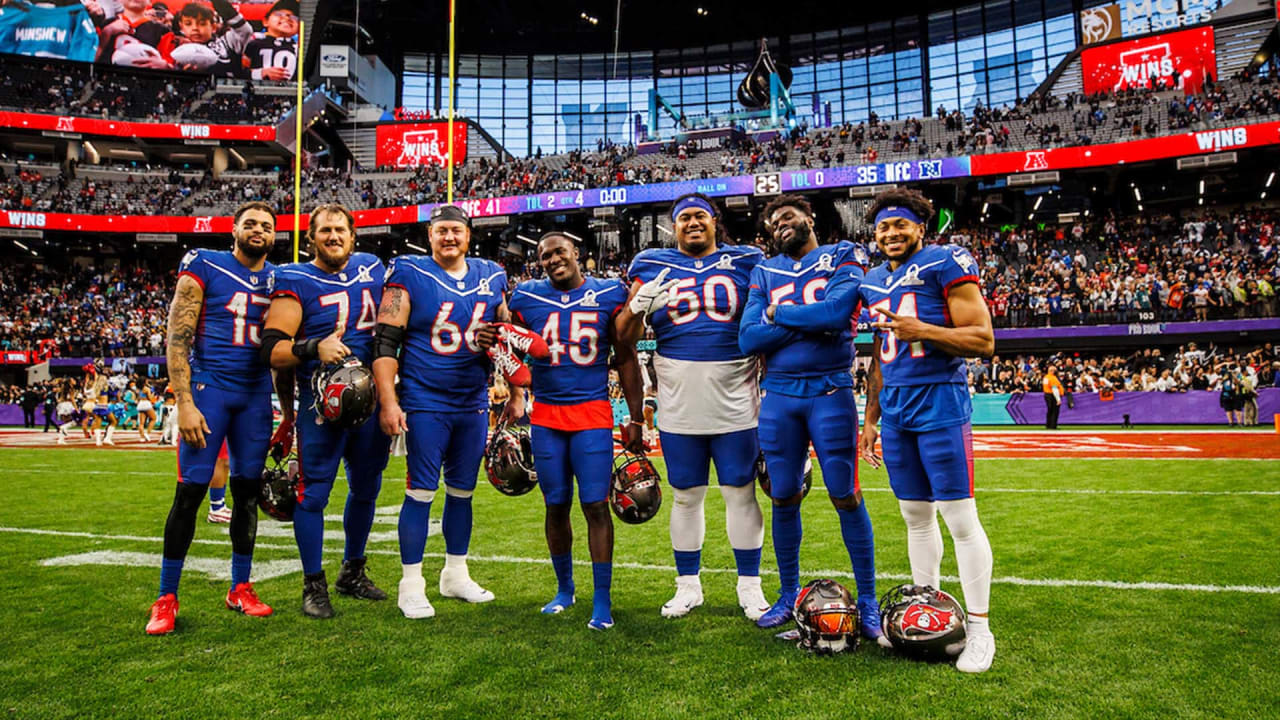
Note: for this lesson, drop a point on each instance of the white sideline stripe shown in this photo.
(214, 568)
(1028, 582)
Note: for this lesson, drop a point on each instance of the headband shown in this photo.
(897, 211)
(688, 202)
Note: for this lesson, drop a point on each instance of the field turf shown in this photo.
(1106, 605)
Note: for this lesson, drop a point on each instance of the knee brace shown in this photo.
(420, 495)
(458, 492)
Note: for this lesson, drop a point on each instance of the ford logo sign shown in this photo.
(333, 58)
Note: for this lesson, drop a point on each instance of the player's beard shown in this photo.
(250, 251)
(800, 235)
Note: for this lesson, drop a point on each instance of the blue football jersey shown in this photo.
(441, 367)
(575, 324)
(798, 362)
(225, 351)
(347, 299)
(65, 32)
(701, 322)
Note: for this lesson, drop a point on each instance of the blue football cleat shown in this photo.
(781, 612)
(560, 603)
(869, 622)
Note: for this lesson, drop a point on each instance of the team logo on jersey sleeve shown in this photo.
(484, 287)
(963, 259)
(189, 258)
(824, 263)
(364, 274)
(860, 256)
(724, 262)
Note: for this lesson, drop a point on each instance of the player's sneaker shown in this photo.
(979, 651)
(504, 359)
(164, 612)
(457, 583)
(244, 599)
(869, 622)
(751, 597)
(688, 596)
(600, 623)
(412, 599)
(315, 596)
(221, 515)
(559, 603)
(353, 581)
(524, 342)
(780, 613)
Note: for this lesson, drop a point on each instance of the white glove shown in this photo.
(653, 295)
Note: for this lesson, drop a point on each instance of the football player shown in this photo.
(223, 392)
(933, 317)
(808, 397)
(321, 312)
(439, 309)
(692, 295)
(572, 418)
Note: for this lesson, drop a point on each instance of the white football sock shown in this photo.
(973, 552)
(742, 517)
(688, 521)
(411, 572)
(455, 562)
(111, 430)
(924, 541)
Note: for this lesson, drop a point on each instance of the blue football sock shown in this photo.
(414, 516)
(601, 598)
(688, 562)
(787, 532)
(357, 521)
(855, 527)
(308, 531)
(563, 565)
(170, 574)
(456, 524)
(240, 566)
(217, 497)
(748, 561)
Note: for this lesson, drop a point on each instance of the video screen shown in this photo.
(249, 40)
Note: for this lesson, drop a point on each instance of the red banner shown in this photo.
(124, 128)
(1183, 59)
(205, 224)
(1170, 146)
(409, 144)
(16, 357)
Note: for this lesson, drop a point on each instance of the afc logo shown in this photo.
(204, 224)
(66, 124)
(1035, 160)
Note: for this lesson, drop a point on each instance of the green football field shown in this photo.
(1157, 594)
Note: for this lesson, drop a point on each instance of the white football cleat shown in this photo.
(412, 599)
(688, 596)
(751, 598)
(221, 515)
(458, 584)
(979, 651)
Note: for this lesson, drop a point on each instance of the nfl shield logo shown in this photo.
(564, 298)
(461, 285)
(697, 264)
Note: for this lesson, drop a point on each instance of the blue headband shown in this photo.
(691, 201)
(897, 211)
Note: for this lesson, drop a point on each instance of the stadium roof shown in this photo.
(519, 26)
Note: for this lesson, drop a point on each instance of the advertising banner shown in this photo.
(123, 128)
(410, 144)
(200, 225)
(334, 61)
(1183, 59)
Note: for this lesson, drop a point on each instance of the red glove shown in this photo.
(524, 342)
(509, 364)
(282, 441)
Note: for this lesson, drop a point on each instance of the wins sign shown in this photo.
(1182, 60)
(409, 144)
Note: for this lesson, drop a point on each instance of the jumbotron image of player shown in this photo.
(223, 391)
(692, 296)
(808, 397)
(572, 419)
(322, 312)
(439, 309)
(934, 316)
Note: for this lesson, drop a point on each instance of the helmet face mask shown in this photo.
(345, 395)
(923, 623)
(635, 493)
(279, 494)
(762, 476)
(508, 460)
(826, 617)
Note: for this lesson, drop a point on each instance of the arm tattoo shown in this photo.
(184, 314)
(389, 310)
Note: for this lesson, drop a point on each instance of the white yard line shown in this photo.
(148, 560)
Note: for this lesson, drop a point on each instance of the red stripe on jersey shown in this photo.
(967, 433)
(222, 454)
(590, 415)
(962, 279)
(193, 276)
(286, 293)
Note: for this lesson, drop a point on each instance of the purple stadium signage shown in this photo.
(1194, 407)
(1147, 328)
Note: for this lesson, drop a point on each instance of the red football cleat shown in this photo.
(243, 598)
(164, 612)
(525, 342)
(506, 361)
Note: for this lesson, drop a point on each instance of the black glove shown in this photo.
(225, 10)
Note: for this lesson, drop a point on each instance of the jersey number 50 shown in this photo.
(682, 293)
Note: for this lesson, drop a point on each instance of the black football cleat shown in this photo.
(315, 596)
(353, 581)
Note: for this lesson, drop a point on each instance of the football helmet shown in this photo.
(508, 460)
(635, 493)
(826, 617)
(922, 622)
(279, 494)
(344, 393)
(762, 476)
